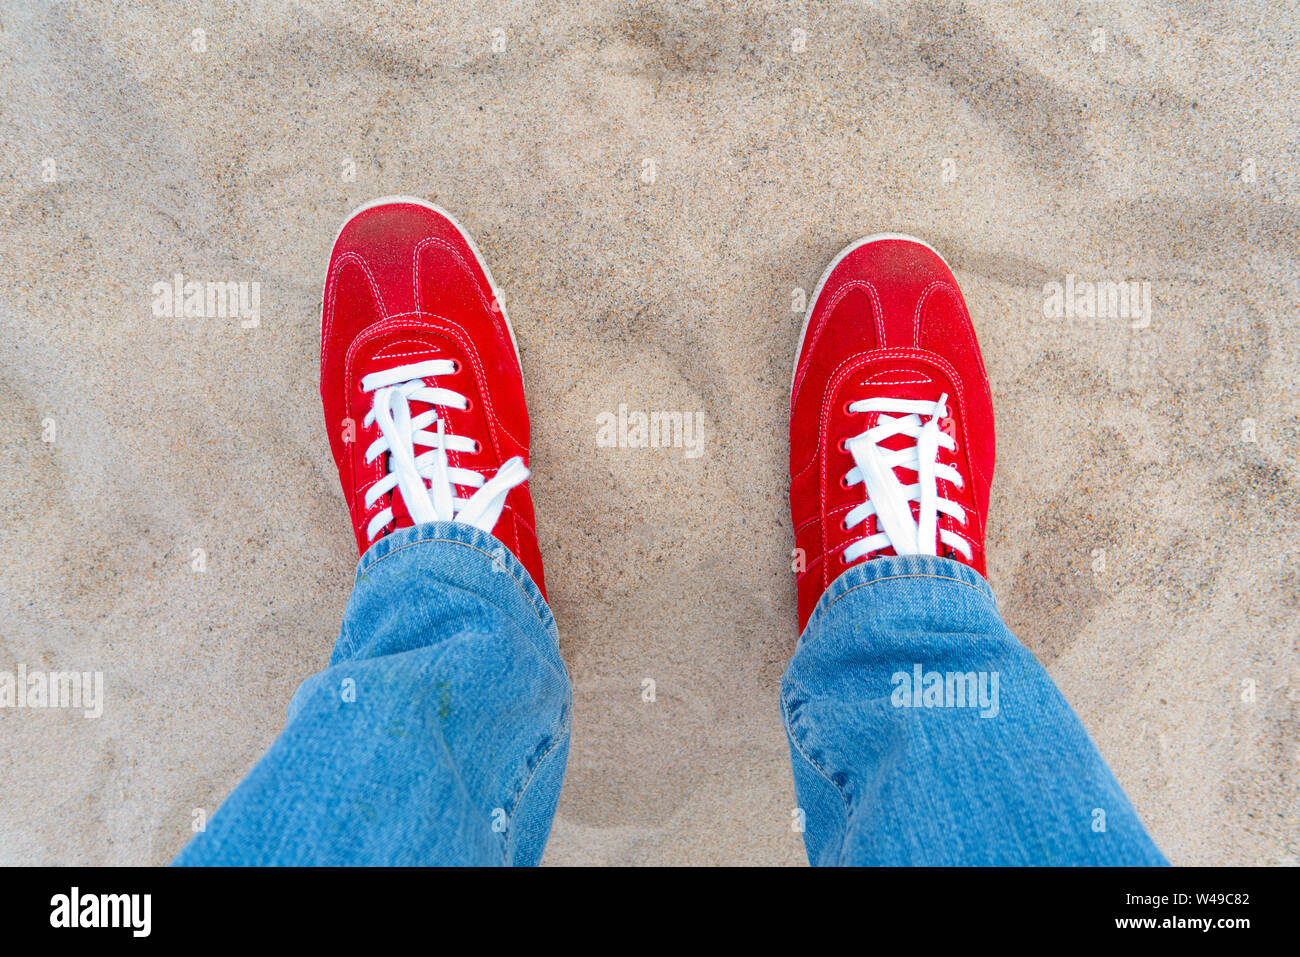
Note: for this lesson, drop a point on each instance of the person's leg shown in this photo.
(437, 735)
(440, 730)
(923, 732)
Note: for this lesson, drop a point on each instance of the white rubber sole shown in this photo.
(821, 283)
(469, 241)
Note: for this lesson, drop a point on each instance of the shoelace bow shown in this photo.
(887, 497)
(399, 433)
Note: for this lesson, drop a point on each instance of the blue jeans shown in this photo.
(923, 732)
(439, 732)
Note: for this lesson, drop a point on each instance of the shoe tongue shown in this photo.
(401, 515)
(905, 384)
(913, 385)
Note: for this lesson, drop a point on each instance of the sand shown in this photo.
(652, 184)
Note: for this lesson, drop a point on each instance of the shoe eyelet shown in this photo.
(844, 445)
(455, 366)
(847, 410)
(469, 405)
(844, 525)
(478, 447)
(844, 481)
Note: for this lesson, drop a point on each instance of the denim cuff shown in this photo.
(896, 567)
(490, 563)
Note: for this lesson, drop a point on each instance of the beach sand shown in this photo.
(654, 186)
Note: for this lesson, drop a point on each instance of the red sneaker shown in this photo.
(420, 376)
(891, 419)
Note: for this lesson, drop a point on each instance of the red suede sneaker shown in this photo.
(420, 376)
(891, 419)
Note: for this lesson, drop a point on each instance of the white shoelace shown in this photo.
(395, 389)
(888, 498)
